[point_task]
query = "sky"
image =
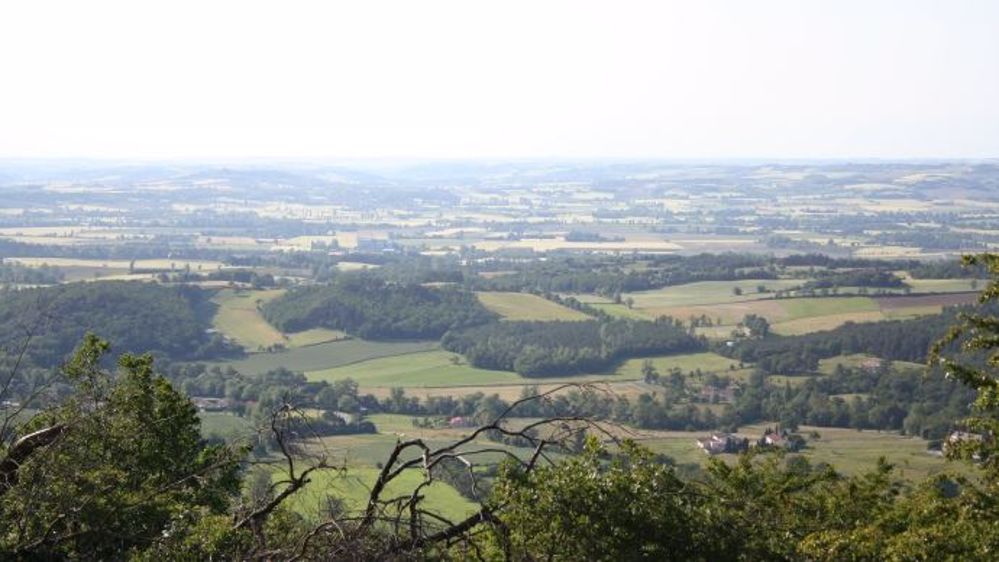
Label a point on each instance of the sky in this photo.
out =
(473, 79)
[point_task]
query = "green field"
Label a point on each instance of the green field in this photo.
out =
(239, 318)
(428, 368)
(323, 356)
(790, 316)
(821, 323)
(524, 306)
(313, 336)
(435, 373)
(353, 486)
(848, 450)
(708, 292)
(706, 362)
(622, 311)
(438, 369)
(224, 425)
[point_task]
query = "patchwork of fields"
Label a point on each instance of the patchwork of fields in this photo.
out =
(719, 302)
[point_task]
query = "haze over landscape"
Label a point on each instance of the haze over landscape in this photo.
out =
(455, 80)
(690, 281)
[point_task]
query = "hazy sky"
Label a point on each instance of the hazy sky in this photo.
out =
(465, 79)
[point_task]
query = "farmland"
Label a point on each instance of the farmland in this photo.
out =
(523, 306)
(323, 356)
(352, 486)
(427, 368)
(239, 318)
(850, 451)
(626, 242)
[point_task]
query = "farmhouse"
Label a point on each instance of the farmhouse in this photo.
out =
(775, 440)
(781, 439)
(718, 443)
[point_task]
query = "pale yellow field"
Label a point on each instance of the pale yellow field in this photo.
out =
(524, 306)
(828, 322)
(548, 244)
(195, 265)
(354, 266)
(239, 318)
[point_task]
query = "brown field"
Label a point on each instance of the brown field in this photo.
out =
(922, 301)
(730, 313)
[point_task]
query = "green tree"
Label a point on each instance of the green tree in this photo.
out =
(632, 508)
(128, 466)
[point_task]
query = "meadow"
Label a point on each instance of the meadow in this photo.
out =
(323, 356)
(437, 373)
(717, 301)
(350, 488)
(525, 306)
(239, 318)
(848, 450)
(427, 368)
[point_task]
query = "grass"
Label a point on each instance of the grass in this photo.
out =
(524, 306)
(708, 292)
(826, 306)
(314, 336)
(353, 486)
(323, 356)
(224, 425)
(239, 318)
(448, 373)
(706, 362)
(848, 450)
(513, 391)
(854, 452)
(827, 322)
(792, 381)
(428, 368)
(622, 311)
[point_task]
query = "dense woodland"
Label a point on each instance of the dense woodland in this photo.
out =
(372, 308)
(539, 349)
(897, 340)
(169, 321)
(827, 279)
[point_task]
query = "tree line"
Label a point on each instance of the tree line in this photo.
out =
(372, 308)
(540, 349)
